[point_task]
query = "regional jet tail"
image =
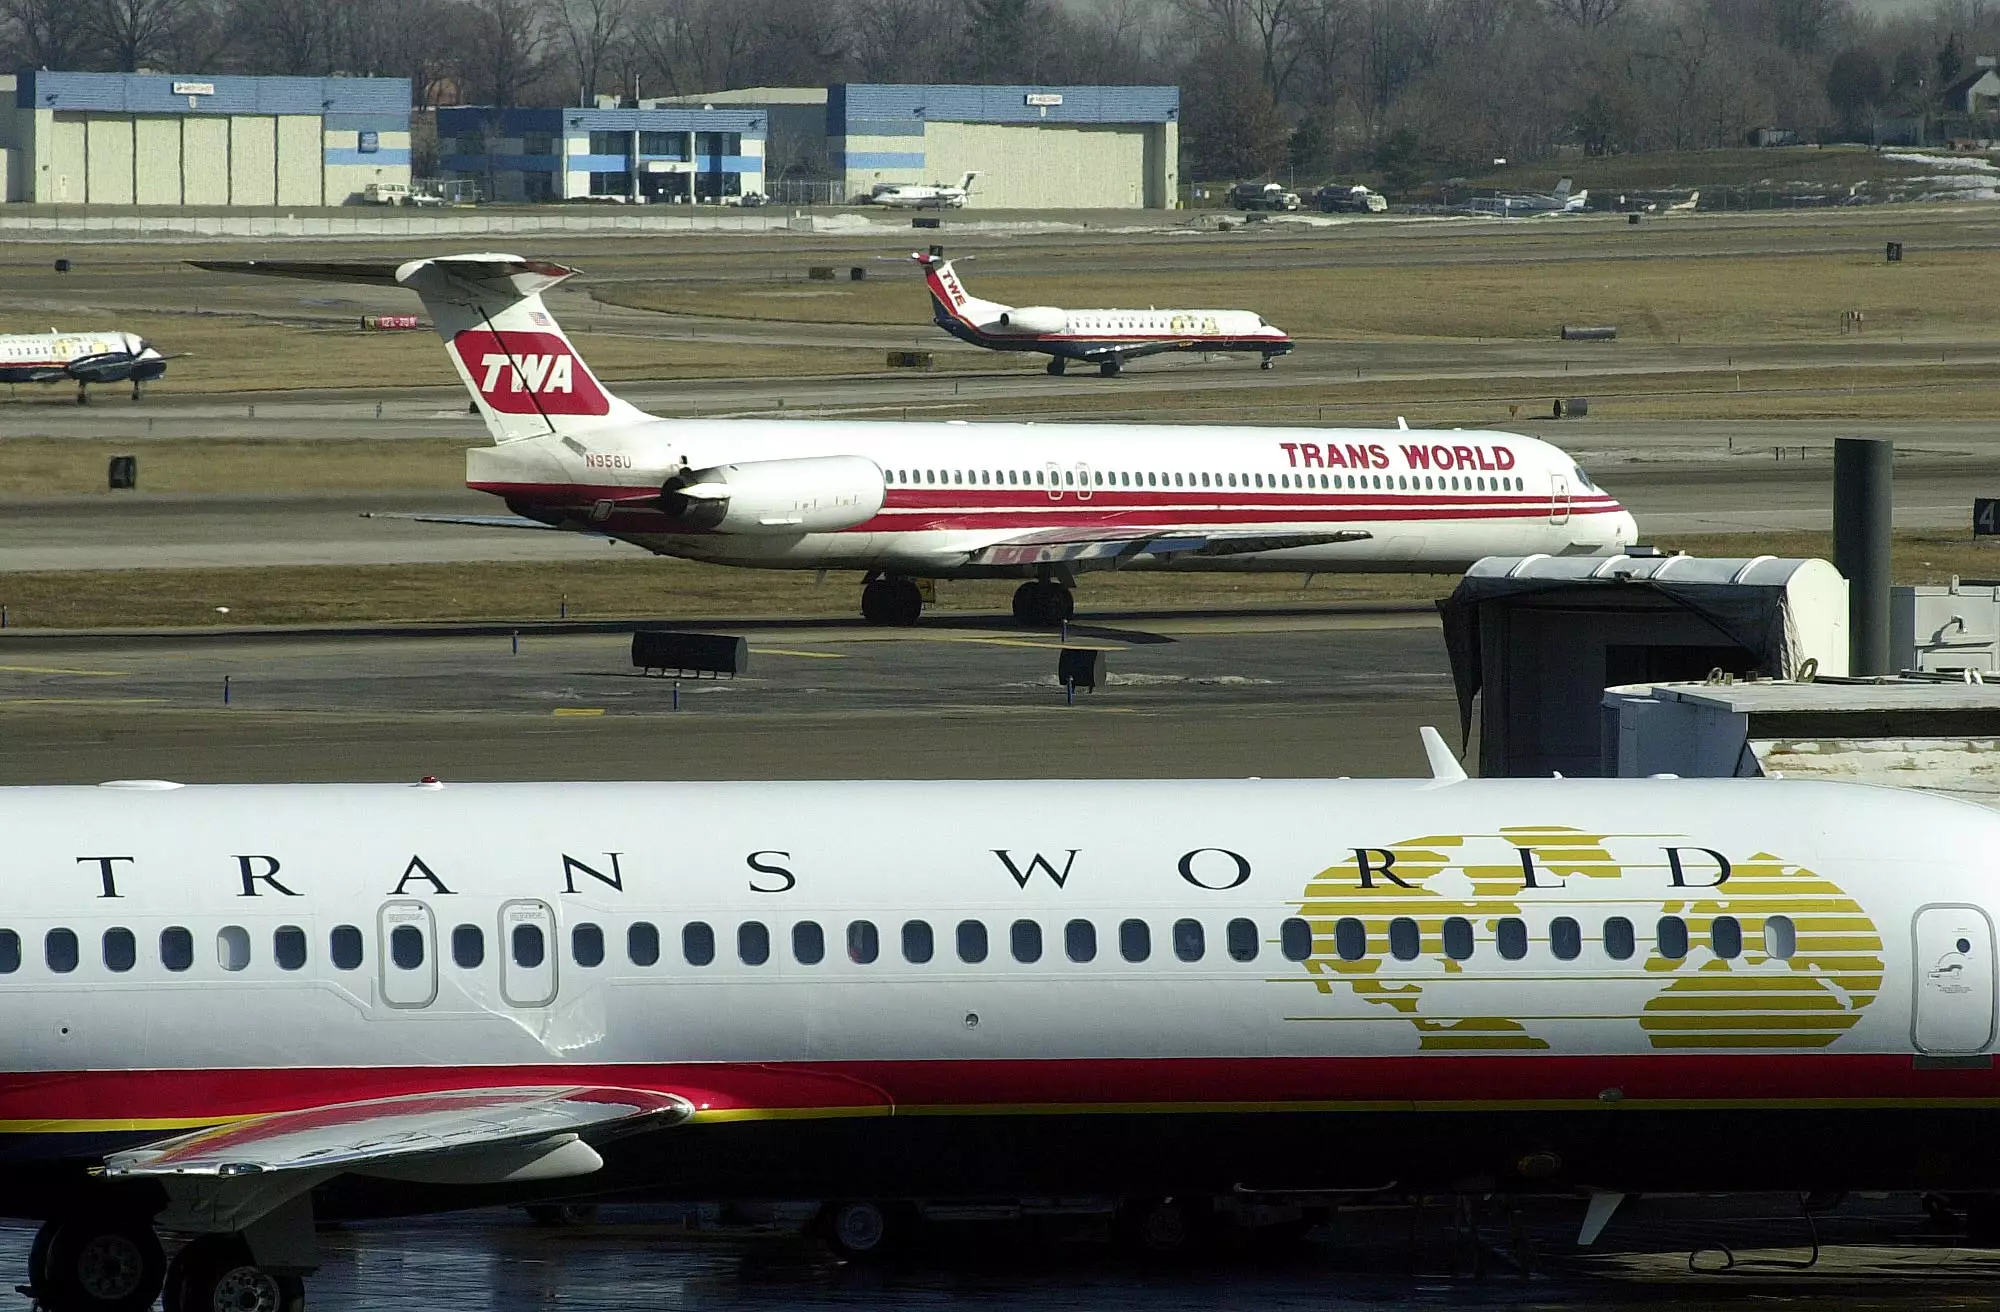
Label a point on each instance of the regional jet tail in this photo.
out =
(80, 358)
(906, 501)
(1105, 338)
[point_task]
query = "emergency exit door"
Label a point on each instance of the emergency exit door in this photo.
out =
(408, 953)
(1954, 980)
(528, 953)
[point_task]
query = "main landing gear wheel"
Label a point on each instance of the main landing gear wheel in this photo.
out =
(1057, 365)
(862, 1231)
(892, 601)
(1164, 1227)
(1111, 368)
(216, 1273)
(104, 1264)
(1040, 604)
(1267, 363)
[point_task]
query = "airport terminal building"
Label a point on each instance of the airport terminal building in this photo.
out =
(164, 139)
(646, 154)
(1034, 147)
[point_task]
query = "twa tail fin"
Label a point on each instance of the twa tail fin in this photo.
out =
(949, 302)
(521, 368)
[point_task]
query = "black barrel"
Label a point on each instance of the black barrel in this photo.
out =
(690, 653)
(124, 473)
(1080, 667)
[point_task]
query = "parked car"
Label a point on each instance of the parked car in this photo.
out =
(398, 193)
(1262, 196)
(1350, 198)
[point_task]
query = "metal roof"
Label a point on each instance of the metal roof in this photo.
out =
(154, 93)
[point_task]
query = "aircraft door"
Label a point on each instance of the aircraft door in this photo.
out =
(1055, 481)
(1082, 482)
(1954, 978)
(1558, 499)
(528, 953)
(408, 952)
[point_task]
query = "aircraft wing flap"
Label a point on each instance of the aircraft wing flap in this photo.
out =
(1143, 348)
(468, 521)
(512, 1129)
(1112, 544)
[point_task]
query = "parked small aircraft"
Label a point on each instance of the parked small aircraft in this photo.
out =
(922, 195)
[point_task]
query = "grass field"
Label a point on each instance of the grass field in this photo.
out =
(33, 466)
(651, 588)
(1665, 170)
(1707, 299)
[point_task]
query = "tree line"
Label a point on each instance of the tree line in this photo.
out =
(1285, 87)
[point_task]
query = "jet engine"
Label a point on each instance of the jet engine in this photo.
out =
(1035, 319)
(813, 494)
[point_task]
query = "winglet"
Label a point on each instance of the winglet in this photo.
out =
(1444, 766)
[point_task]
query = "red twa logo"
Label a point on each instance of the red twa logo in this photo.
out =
(520, 373)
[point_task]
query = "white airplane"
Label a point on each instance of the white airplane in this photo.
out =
(922, 195)
(1509, 204)
(236, 1010)
(1105, 338)
(81, 358)
(902, 501)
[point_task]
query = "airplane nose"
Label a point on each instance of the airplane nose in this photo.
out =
(1624, 528)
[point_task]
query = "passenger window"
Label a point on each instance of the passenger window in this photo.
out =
(753, 943)
(1080, 940)
(529, 946)
(808, 943)
(1242, 935)
(1026, 936)
(642, 943)
(586, 944)
(1511, 937)
(288, 947)
(972, 941)
(863, 943)
(406, 948)
(1565, 939)
(468, 947)
(698, 943)
(1725, 935)
(1458, 938)
(1189, 941)
(1350, 939)
(10, 951)
(1619, 941)
(1673, 937)
(343, 946)
(1780, 939)
(121, 950)
(60, 951)
(1135, 940)
(1295, 939)
(918, 944)
(1404, 939)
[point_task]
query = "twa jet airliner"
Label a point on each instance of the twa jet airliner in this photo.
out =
(903, 501)
(234, 1011)
(1105, 338)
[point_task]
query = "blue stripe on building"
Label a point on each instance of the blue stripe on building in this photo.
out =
(881, 159)
(153, 93)
(385, 158)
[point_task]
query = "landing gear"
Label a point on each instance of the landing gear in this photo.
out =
(863, 1231)
(135, 389)
(891, 601)
(1057, 364)
(1111, 368)
(1166, 1227)
(216, 1273)
(1043, 604)
(1268, 362)
(101, 1264)
(83, 393)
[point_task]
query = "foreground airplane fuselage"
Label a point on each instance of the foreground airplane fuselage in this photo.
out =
(236, 1009)
(1041, 502)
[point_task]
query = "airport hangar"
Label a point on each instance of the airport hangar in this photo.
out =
(165, 139)
(1074, 147)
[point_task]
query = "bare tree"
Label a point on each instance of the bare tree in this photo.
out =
(132, 33)
(1584, 15)
(904, 40)
(293, 37)
(506, 50)
(591, 29)
(48, 33)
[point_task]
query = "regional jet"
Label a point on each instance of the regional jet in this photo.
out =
(904, 501)
(236, 1012)
(81, 358)
(1105, 338)
(1562, 200)
(922, 195)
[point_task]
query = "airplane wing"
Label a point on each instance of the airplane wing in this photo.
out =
(218, 1177)
(470, 521)
(1134, 352)
(1112, 545)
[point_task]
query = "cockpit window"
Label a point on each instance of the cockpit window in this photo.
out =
(1583, 479)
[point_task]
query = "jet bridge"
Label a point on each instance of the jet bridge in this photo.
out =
(1535, 640)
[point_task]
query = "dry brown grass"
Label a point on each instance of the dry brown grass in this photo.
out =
(1705, 299)
(35, 466)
